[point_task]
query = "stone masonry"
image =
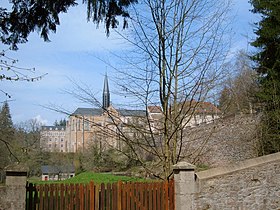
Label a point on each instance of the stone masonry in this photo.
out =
(250, 184)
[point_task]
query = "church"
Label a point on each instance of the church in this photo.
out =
(105, 127)
(99, 126)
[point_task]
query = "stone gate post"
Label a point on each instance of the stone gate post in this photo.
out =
(16, 187)
(184, 179)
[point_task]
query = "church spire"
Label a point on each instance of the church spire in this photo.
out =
(106, 93)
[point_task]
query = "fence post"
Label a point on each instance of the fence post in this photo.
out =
(184, 179)
(16, 187)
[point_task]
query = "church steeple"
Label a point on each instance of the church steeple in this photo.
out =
(106, 93)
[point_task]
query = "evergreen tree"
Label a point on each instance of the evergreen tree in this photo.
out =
(268, 68)
(6, 136)
(42, 16)
(6, 123)
(62, 122)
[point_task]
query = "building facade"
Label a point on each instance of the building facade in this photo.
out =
(53, 139)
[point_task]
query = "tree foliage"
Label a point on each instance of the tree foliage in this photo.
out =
(61, 122)
(268, 67)
(7, 155)
(27, 16)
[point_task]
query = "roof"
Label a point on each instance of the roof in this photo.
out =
(48, 169)
(88, 111)
(155, 109)
(99, 111)
(134, 113)
(201, 107)
(53, 128)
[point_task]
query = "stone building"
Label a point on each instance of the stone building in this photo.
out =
(195, 113)
(99, 126)
(105, 126)
(53, 139)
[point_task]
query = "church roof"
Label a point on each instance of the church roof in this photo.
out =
(88, 111)
(99, 111)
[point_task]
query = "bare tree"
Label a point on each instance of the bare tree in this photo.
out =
(12, 72)
(177, 54)
(175, 57)
(239, 87)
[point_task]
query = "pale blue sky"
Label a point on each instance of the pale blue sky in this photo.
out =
(72, 53)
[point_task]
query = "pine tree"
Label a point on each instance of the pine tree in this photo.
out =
(6, 135)
(268, 60)
(6, 124)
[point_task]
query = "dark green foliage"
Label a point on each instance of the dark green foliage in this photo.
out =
(61, 122)
(268, 60)
(6, 137)
(43, 16)
(28, 16)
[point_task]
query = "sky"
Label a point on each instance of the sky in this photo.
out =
(75, 53)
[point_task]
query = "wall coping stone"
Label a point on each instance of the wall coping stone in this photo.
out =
(211, 173)
(184, 166)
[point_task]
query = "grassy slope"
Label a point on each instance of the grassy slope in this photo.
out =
(86, 177)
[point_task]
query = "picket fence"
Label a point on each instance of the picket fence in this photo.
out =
(116, 196)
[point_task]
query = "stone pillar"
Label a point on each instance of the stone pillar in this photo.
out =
(16, 187)
(184, 179)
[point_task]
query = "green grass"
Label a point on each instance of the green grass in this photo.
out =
(86, 177)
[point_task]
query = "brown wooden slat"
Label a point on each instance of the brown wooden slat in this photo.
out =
(119, 191)
(61, 192)
(56, 203)
(76, 196)
(97, 197)
(46, 200)
(146, 195)
(150, 196)
(108, 196)
(128, 201)
(91, 195)
(102, 196)
(159, 191)
(67, 196)
(41, 194)
(122, 189)
(133, 196)
(51, 197)
(81, 196)
(86, 194)
(165, 195)
(171, 194)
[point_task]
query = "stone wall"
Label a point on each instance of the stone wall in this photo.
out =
(251, 184)
(13, 193)
(225, 141)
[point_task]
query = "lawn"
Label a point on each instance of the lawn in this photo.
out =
(86, 177)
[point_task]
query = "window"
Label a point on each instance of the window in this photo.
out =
(73, 125)
(61, 145)
(86, 125)
(61, 140)
(78, 125)
(50, 145)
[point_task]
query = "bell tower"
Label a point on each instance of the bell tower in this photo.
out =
(106, 93)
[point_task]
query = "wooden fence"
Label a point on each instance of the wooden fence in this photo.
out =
(117, 196)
